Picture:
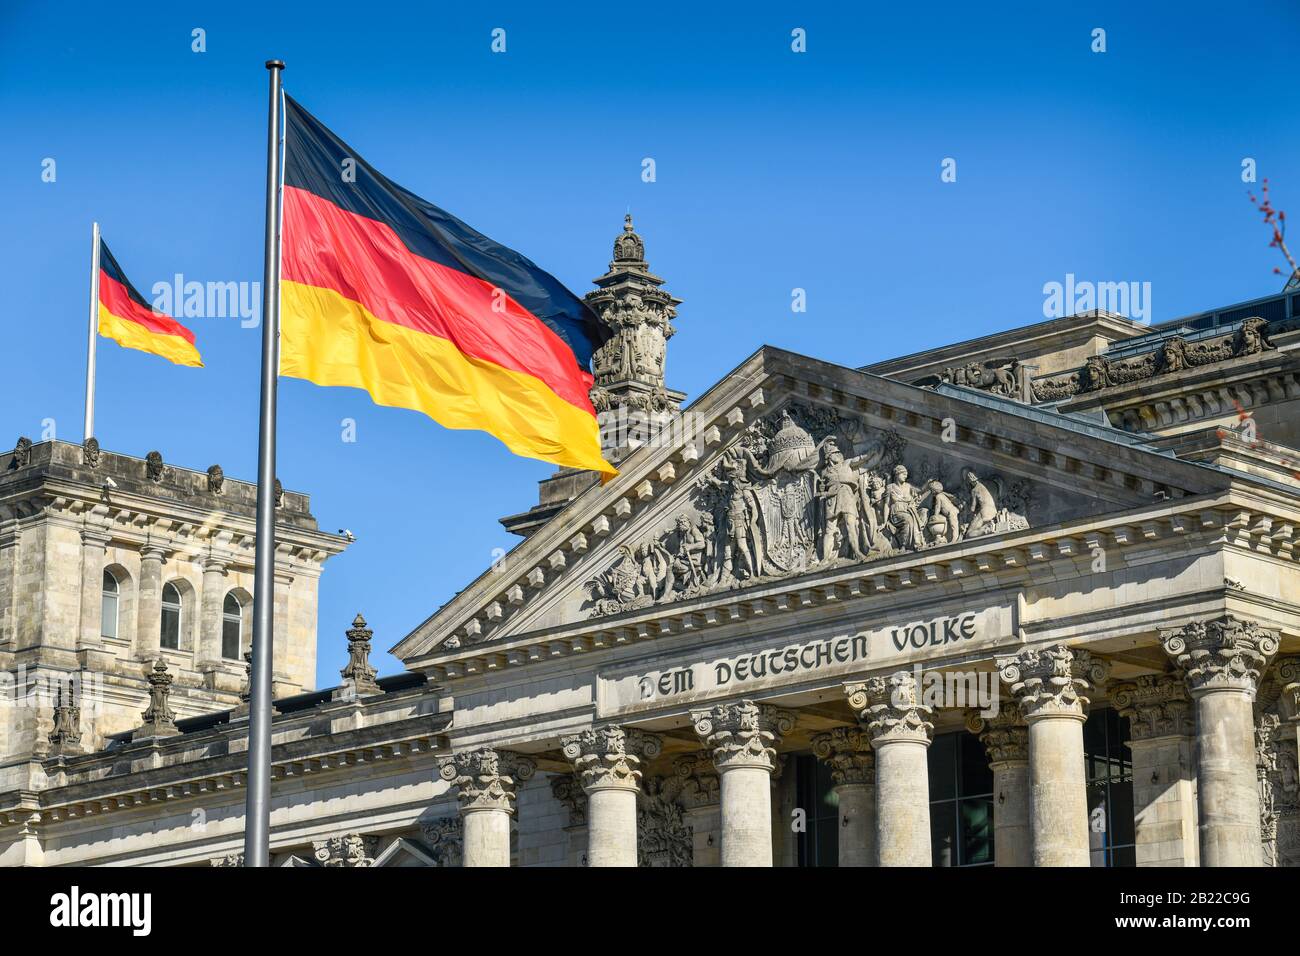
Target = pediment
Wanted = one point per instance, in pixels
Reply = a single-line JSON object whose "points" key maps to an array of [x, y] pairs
{"points": [[791, 468]]}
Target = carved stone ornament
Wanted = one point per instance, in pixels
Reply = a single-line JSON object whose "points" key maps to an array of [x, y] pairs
{"points": [[65, 738], [230, 859], [159, 721], [279, 494], [567, 789], [216, 479], [1157, 705], [486, 779], [743, 734], [23, 452], [1005, 735], [351, 849], [1278, 763], [1172, 355], [610, 757], [891, 708], [694, 782], [1223, 654], [154, 468], [996, 376], [663, 838], [805, 489], [445, 838], [1052, 681], [90, 453], [847, 751], [358, 674]]}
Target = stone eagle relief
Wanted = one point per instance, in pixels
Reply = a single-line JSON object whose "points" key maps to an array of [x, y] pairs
{"points": [[805, 490]]}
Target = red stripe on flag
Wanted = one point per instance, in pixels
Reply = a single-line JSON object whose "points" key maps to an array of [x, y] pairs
{"points": [[364, 260], [114, 297]]}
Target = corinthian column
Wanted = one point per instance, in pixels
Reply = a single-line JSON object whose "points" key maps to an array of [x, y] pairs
{"points": [[1005, 737], [1162, 734], [1222, 661], [607, 761], [847, 750], [899, 727], [743, 737], [1049, 683], [486, 781]]}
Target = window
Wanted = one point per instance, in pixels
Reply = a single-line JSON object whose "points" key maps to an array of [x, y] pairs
{"points": [[171, 617], [1110, 788], [108, 606], [961, 801], [819, 844], [232, 625]]}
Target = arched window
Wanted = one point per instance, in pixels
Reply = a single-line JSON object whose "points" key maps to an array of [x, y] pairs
{"points": [[108, 606], [171, 617], [232, 626]]}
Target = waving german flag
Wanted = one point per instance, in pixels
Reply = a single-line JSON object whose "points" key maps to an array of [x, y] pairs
{"points": [[383, 291], [127, 319]]}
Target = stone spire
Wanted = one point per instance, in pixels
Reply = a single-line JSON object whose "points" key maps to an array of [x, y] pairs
{"points": [[159, 721], [359, 676], [629, 368]]}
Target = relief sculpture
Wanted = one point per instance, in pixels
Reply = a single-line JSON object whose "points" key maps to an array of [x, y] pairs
{"points": [[802, 490]]}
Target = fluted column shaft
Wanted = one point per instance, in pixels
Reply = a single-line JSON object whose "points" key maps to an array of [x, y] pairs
{"points": [[486, 782], [607, 761], [1006, 741], [1222, 661], [847, 751], [1048, 684], [899, 728], [743, 738]]}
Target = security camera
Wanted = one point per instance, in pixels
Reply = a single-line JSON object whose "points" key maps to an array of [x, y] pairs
{"points": [[347, 534], [110, 483]]}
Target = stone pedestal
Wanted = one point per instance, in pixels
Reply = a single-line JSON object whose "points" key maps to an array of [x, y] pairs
{"points": [[847, 750], [486, 782], [900, 731], [1005, 737], [1163, 744], [607, 761], [148, 622], [742, 737], [1048, 683], [1222, 661]]}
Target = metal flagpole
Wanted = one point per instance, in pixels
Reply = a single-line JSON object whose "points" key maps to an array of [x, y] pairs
{"points": [[94, 331], [257, 822]]}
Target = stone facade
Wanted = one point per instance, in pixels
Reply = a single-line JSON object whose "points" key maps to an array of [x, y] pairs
{"points": [[810, 563]]}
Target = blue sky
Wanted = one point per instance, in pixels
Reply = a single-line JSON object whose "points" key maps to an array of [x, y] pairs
{"points": [[775, 170]]}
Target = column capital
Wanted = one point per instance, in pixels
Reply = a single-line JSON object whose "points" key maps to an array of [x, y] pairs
{"points": [[743, 734], [847, 750], [1288, 674], [485, 778], [1005, 735], [610, 757], [1223, 654], [95, 537], [1157, 705], [891, 708], [215, 566], [1051, 681], [153, 552]]}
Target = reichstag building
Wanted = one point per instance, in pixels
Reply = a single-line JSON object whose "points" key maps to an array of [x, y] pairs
{"points": [[1025, 600]]}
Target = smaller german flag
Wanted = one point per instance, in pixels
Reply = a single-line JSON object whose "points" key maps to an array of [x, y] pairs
{"points": [[127, 319]]}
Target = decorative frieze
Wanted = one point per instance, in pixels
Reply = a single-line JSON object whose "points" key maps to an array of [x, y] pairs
{"points": [[610, 756], [230, 859], [891, 708], [1052, 681], [1157, 705], [743, 733], [847, 751], [1005, 735], [1227, 653], [486, 779]]}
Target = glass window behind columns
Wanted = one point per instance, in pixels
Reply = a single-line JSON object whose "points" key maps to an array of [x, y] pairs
{"points": [[961, 801], [1110, 788], [819, 844]]}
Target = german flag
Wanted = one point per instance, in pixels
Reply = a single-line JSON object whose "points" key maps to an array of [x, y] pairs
{"points": [[127, 319], [384, 291]]}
